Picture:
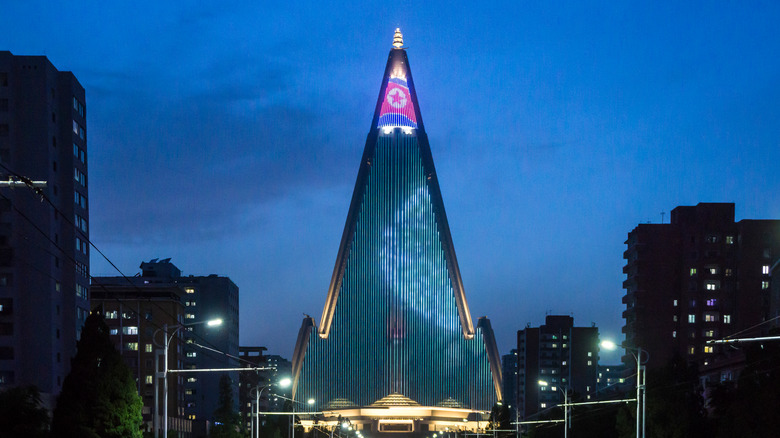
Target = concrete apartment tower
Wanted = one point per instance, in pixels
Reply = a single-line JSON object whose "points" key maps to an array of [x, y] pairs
{"points": [[44, 245]]}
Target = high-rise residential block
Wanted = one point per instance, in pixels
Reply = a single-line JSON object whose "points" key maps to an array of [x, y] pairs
{"points": [[700, 277], [44, 246], [554, 358]]}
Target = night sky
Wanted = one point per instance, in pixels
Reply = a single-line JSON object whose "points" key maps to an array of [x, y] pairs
{"points": [[227, 136]]}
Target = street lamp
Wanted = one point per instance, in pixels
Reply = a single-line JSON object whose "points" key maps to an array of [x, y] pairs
{"points": [[641, 381], [168, 339], [283, 383], [309, 402], [565, 408]]}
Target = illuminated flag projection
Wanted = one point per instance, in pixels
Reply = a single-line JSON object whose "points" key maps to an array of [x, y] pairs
{"points": [[396, 323], [397, 107]]}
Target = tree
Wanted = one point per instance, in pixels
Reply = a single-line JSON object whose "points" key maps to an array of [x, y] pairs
{"points": [[500, 419], [21, 413], [99, 398], [749, 408], [674, 407], [227, 420]]}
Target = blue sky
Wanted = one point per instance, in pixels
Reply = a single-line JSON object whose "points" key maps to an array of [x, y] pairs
{"points": [[227, 136]]}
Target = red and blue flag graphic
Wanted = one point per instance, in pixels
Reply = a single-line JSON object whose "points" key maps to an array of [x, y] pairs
{"points": [[397, 107]]}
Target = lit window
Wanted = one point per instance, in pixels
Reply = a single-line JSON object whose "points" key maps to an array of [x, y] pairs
{"points": [[729, 272], [708, 349], [691, 349], [764, 285], [711, 286], [133, 346], [674, 318], [114, 331], [710, 317], [130, 330], [554, 345], [590, 354], [189, 316], [713, 271], [189, 290], [149, 379], [112, 315], [730, 240], [148, 348], [563, 363], [191, 354], [590, 363], [543, 405], [765, 269], [675, 303], [727, 319], [691, 318], [712, 302], [188, 392], [693, 271], [192, 379], [709, 334]]}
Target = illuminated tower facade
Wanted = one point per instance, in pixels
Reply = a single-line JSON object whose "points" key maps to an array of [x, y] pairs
{"points": [[396, 328]]}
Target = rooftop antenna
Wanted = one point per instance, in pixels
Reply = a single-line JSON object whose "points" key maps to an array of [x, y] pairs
{"points": [[662, 216]]}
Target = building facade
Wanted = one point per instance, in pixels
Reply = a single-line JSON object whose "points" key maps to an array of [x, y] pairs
{"points": [[509, 378], [249, 383], [136, 317], [702, 276], [396, 329], [562, 356], [203, 298], [44, 246]]}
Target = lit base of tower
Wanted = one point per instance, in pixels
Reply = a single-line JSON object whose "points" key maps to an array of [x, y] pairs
{"points": [[405, 419]]}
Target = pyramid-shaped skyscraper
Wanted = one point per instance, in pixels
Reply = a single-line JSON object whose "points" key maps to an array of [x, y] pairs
{"points": [[396, 323]]}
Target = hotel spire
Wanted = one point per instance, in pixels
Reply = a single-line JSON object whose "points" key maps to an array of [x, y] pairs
{"points": [[398, 38]]}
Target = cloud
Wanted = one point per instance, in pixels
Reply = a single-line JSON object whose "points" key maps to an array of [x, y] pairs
{"points": [[204, 156]]}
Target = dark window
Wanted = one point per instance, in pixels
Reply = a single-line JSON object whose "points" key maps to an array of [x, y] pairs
{"points": [[3, 104], [6, 306], [3, 79], [6, 329], [3, 129], [6, 353]]}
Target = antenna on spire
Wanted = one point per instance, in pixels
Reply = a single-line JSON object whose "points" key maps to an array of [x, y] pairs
{"points": [[398, 38]]}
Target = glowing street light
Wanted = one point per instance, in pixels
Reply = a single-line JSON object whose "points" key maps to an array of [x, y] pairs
{"points": [[641, 381], [544, 383], [283, 383], [210, 323]]}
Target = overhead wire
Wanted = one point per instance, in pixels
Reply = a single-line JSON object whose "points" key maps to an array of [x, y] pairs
{"points": [[38, 191]]}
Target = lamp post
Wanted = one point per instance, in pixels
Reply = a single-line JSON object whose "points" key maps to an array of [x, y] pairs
{"points": [[565, 408], [641, 381], [166, 346], [283, 383], [309, 402]]}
